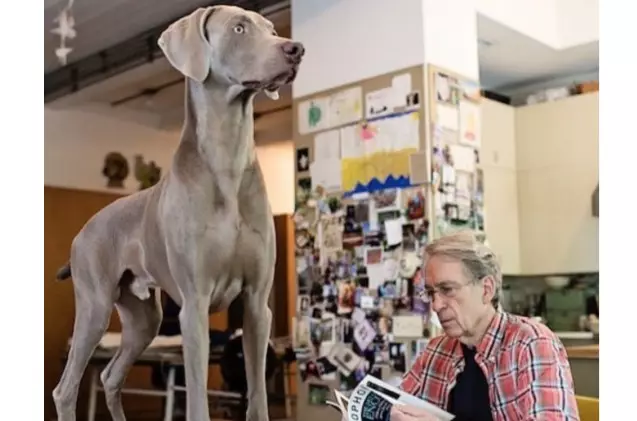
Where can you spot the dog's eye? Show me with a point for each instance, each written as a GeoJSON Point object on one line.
{"type": "Point", "coordinates": [239, 29]}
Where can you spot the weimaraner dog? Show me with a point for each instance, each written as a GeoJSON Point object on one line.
{"type": "Point", "coordinates": [204, 233]}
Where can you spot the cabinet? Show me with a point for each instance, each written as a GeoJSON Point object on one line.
{"type": "Point", "coordinates": [557, 172]}
{"type": "Point", "coordinates": [498, 164]}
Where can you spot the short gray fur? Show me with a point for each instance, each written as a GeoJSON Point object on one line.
{"type": "Point", "coordinates": [204, 233]}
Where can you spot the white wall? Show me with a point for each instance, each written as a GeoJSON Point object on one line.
{"type": "Point", "coordinates": [350, 40]}
{"type": "Point", "coordinates": [450, 34]}
{"type": "Point", "coordinates": [76, 142]}
{"type": "Point", "coordinates": [344, 44]}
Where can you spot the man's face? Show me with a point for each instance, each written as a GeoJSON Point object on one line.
{"type": "Point", "coordinates": [459, 303]}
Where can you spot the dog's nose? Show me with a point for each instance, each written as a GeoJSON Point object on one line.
{"type": "Point", "coordinates": [293, 50]}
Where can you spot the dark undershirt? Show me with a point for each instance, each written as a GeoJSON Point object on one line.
{"type": "Point", "coordinates": [469, 398]}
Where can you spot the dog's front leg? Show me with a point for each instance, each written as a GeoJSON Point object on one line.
{"type": "Point", "coordinates": [193, 318]}
{"type": "Point", "coordinates": [256, 334]}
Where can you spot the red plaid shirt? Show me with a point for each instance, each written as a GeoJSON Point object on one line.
{"type": "Point", "coordinates": [525, 364]}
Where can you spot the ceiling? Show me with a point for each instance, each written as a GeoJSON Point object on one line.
{"type": "Point", "coordinates": [104, 23]}
{"type": "Point", "coordinates": [507, 58]}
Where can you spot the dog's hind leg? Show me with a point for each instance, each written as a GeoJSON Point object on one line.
{"type": "Point", "coordinates": [140, 322]}
{"type": "Point", "coordinates": [92, 314]}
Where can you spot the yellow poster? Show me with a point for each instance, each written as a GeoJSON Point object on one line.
{"type": "Point", "coordinates": [375, 155]}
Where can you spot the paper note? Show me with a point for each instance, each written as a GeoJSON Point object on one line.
{"type": "Point", "coordinates": [463, 181]}
{"type": "Point", "coordinates": [380, 102]}
{"type": "Point", "coordinates": [327, 145]}
{"type": "Point", "coordinates": [448, 174]}
{"type": "Point", "coordinates": [392, 267]}
{"type": "Point", "coordinates": [447, 116]}
{"type": "Point", "coordinates": [376, 275]}
{"type": "Point", "coordinates": [418, 168]}
{"type": "Point", "coordinates": [351, 145]}
{"type": "Point", "coordinates": [344, 358]}
{"type": "Point", "coordinates": [313, 115]}
{"type": "Point", "coordinates": [326, 173]}
{"type": "Point", "coordinates": [401, 85]}
{"type": "Point", "coordinates": [470, 128]}
{"type": "Point", "coordinates": [364, 334]}
{"type": "Point", "coordinates": [330, 240]}
{"type": "Point", "coordinates": [464, 158]}
{"type": "Point", "coordinates": [346, 106]}
{"type": "Point", "coordinates": [367, 302]}
{"type": "Point", "coordinates": [407, 326]}
{"type": "Point", "coordinates": [358, 315]}
{"type": "Point", "coordinates": [393, 232]}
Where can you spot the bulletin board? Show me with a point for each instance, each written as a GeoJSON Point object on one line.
{"type": "Point", "coordinates": [457, 182]}
{"type": "Point", "coordinates": [361, 223]}
{"type": "Point", "coordinates": [362, 137]}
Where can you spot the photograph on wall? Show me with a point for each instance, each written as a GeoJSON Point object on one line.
{"type": "Point", "coordinates": [303, 160]}
{"type": "Point", "coordinates": [414, 202]}
{"type": "Point", "coordinates": [446, 89]}
{"type": "Point", "coordinates": [470, 90]}
{"type": "Point", "coordinates": [386, 199]}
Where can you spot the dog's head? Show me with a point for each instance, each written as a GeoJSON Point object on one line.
{"type": "Point", "coordinates": [233, 45]}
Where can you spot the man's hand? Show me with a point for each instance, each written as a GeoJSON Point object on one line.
{"type": "Point", "coordinates": [410, 413]}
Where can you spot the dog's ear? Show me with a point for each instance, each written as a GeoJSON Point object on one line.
{"type": "Point", "coordinates": [185, 46]}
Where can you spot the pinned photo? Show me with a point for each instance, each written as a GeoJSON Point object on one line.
{"type": "Point", "coordinates": [346, 291]}
{"type": "Point", "coordinates": [373, 256]}
{"type": "Point", "coordinates": [414, 203]}
{"type": "Point", "coordinates": [344, 359]}
{"type": "Point", "coordinates": [388, 198]}
{"type": "Point", "coordinates": [410, 241]}
{"type": "Point", "coordinates": [446, 89]}
{"type": "Point", "coordinates": [303, 304]}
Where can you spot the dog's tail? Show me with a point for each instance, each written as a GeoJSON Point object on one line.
{"type": "Point", "coordinates": [64, 272]}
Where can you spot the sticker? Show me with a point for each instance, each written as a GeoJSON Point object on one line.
{"type": "Point", "coordinates": [302, 159]}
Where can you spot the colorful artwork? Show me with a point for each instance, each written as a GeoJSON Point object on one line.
{"type": "Point", "coordinates": [375, 155]}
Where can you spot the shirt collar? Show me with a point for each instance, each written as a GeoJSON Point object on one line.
{"type": "Point", "coordinates": [491, 341]}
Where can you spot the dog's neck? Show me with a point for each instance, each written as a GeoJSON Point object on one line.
{"type": "Point", "coordinates": [218, 129]}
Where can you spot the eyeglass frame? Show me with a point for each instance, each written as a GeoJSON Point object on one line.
{"type": "Point", "coordinates": [430, 292]}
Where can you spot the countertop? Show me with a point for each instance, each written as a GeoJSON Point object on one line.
{"type": "Point", "coordinates": [583, 352]}
{"type": "Point", "coordinates": [575, 335]}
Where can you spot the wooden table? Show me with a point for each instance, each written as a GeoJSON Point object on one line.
{"type": "Point", "coordinates": [585, 351]}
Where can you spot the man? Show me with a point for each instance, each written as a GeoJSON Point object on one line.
{"type": "Point", "coordinates": [488, 364]}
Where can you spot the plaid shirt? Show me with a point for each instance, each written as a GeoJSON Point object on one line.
{"type": "Point", "coordinates": [525, 364]}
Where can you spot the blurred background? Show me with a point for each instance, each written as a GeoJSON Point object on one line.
{"type": "Point", "coordinates": [113, 111]}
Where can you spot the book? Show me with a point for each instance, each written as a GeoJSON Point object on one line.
{"type": "Point", "coordinates": [372, 400]}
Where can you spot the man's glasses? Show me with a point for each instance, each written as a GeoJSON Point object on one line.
{"type": "Point", "coordinates": [444, 289]}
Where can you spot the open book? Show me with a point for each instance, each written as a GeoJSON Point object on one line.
{"type": "Point", "coordinates": [373, 399]}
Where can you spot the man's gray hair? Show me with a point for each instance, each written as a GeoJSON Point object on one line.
{"type": "Point", "coordinates": [477, 258]}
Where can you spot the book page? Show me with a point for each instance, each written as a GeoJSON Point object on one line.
{"type": "Point", "coordinates": [396, 396]}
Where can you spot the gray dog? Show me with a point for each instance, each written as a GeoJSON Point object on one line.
{"type": "Point", "coordinates": [204, 233]}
